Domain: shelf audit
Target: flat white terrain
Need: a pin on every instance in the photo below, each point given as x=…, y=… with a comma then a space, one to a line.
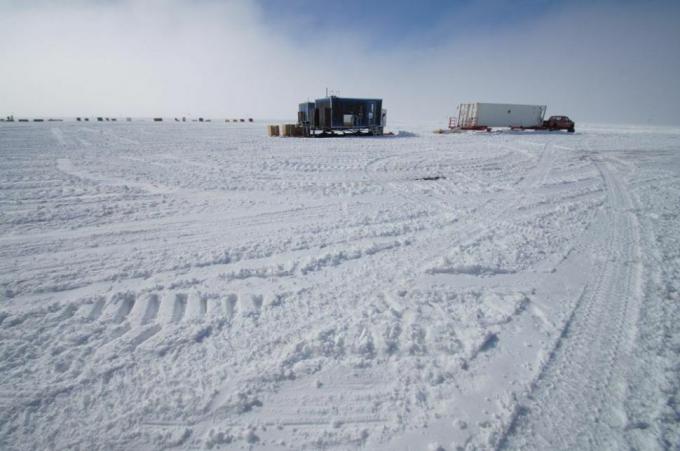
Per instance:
x=197, y=286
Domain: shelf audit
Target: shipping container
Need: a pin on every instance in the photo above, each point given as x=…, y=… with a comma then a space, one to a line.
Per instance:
x=341, y=115
x=489, y=115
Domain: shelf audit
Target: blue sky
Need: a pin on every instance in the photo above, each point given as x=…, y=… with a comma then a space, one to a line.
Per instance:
x=391, y=23
x=600, y=61
x=387, y=24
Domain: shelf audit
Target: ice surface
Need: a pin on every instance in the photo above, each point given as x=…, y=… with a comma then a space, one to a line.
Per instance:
x=199, y=286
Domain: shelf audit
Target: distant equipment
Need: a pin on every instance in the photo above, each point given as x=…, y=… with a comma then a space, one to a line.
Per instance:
x=158, y=119
x=342, y=116
x=485, y=116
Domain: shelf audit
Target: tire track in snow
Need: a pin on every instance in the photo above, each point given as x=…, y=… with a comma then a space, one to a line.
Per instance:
x=489, y=215
x=576, y=402
x=259, y=333
x=408, y=324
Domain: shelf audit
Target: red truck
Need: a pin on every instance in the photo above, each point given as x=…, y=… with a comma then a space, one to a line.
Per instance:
x=552, y=123
x=559, y=123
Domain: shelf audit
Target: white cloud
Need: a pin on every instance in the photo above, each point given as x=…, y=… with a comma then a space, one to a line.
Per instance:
x=605, y=64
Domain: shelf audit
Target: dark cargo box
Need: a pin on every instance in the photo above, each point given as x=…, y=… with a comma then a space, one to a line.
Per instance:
x=339, y=114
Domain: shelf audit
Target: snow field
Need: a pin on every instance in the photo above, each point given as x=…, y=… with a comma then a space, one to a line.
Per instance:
x=197, y=286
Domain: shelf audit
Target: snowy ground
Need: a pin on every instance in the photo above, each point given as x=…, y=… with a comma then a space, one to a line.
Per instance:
x=198, y=286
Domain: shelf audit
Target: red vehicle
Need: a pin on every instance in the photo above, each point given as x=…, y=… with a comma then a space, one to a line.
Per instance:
x=559, y=123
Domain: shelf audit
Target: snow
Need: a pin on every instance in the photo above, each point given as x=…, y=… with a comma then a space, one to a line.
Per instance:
x=203, y=286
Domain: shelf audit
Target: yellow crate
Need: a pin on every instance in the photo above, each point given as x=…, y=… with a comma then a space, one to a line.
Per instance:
x=273, y=130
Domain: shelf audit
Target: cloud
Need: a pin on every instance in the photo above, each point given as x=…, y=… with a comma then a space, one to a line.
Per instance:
x=604, y=63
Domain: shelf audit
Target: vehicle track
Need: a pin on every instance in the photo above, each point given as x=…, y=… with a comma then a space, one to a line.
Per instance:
x=576, y=402
x=293, y=294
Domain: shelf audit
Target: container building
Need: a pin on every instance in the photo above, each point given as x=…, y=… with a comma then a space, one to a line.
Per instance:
x=341, y=115
x=488, y=115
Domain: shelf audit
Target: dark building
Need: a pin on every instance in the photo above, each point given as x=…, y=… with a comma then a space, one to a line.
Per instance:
x=341, y=115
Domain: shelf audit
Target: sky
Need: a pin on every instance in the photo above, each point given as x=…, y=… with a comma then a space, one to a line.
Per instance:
x=596, y=61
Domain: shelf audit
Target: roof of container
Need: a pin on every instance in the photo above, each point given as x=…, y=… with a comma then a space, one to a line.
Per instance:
x=498, y=103
x=350, y=98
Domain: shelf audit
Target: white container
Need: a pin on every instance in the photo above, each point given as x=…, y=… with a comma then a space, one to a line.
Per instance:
x=473, y=115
